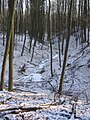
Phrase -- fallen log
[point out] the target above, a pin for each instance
(22, 109)
(17, 110)
(31, 108)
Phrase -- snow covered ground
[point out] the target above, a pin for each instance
(35, 86)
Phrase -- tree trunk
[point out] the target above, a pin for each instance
(7, 49)
(85, 17)
(66, 49)
(3, 23)
(0, 15)
(11, 51)
(59, 31)
(11, 54)
(49, 38)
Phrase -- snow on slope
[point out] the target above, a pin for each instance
(35, 86)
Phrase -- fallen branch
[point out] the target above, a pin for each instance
(2, 114)
(82, 50)
(29, 91)
(2, 102)
(17, 110)
(32, 63)
(27, 109)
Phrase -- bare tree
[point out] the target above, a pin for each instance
(9, 45)
(66, 49)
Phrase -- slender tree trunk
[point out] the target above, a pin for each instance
(33, 48)
(23, 44)
(49, 38)
(11, 54)
(59, 51)
(21, 20)
(88, 22)
(62, 44)
(30, 29)
(30, 44)
(3, 23)
(59, 31)
(0, 15)
(11, 51)
(66, 49)
(7, 49)
(85, 17)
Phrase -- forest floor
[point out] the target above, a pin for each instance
(35, 94)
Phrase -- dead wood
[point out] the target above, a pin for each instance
(31, 108)
(22, 109)
(2, 102)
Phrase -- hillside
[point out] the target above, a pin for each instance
(36, 91)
